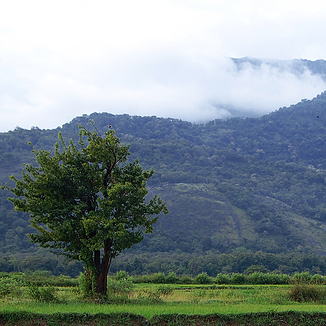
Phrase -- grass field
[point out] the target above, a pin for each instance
(152, 299)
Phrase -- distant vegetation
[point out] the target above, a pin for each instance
(241, 192)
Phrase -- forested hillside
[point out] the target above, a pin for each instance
(233, 187)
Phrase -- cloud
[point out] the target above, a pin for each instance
(61, 59)
(161, 85)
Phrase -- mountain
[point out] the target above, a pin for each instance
(252, 185)
(295, 66)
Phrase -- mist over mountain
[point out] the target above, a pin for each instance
(197, 90)
(254, 87)
(298, 67)
(248, 184)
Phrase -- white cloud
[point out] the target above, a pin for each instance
(60, 59)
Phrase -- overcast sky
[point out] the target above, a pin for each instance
(61, 59)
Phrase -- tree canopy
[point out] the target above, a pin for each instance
(87, 202)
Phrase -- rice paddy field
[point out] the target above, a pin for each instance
(26, 304)
(152, 300)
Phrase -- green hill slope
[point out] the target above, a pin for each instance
(255, 183)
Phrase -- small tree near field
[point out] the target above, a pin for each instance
(87, 202)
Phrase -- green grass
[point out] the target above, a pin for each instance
(150, 310)
(185, 299)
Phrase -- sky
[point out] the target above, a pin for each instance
(62, 59)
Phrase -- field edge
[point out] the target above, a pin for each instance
(296, 318)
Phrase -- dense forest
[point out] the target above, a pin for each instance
(241, 192)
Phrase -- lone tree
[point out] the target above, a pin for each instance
(87, 202)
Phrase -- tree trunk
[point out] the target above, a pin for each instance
(102, 268)
(102, 282)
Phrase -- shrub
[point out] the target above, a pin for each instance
(172, 278)
(4, 274)
(317, 279)
(142, 279)
(85, 285)
(158, 278)
(237, 278)
(65, 281)
(120, 287)
(122, 275)
(198, 295)
(186, 279)
(305, 293)
(222, 279)
(42, 294)
(164, 290)
(279, 278)
(203, 278)
(9, 286)
(267, 278)
(257, 278)
(302, 278)
(39, 278)
(150, 296)
(155, 297)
